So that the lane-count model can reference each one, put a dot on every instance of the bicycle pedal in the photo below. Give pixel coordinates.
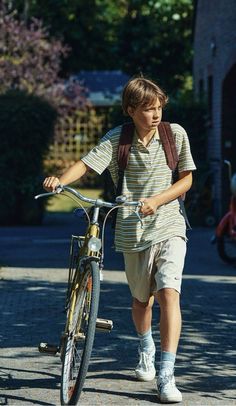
(79, 336)
(49, 349)
(104, 325)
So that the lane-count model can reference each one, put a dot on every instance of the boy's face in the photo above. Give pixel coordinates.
(146, 118)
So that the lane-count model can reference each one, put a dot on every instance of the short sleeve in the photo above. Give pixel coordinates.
(100, 156)
(186, 162)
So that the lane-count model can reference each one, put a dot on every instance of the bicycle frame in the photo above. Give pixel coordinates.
(82, 298)
(225, 234)
(84, 251)
(75, 277)
(227, 224)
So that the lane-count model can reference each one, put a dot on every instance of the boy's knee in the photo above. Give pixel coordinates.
(143, 305)
(167, 297)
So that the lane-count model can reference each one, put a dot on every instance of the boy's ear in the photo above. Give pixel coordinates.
(130, 111)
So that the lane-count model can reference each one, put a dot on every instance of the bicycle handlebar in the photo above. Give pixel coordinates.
(120, 200)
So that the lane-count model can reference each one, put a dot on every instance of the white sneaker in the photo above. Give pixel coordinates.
(166, 389)
(145, 370)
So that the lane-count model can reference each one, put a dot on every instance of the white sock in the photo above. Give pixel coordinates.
(146, 342)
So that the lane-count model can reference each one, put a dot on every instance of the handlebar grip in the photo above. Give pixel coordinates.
(58, 190)
(44, 195)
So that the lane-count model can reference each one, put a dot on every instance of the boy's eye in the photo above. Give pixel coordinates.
(152, 108)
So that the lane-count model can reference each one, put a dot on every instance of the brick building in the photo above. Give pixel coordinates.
(215, 78)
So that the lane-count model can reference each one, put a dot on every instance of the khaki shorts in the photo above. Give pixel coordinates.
(159, 266)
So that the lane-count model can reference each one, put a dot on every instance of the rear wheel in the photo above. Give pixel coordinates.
(77, 348)
(226, 247)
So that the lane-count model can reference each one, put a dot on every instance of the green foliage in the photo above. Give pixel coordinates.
(155, 38)
(192, 115)
(89, 27)
(151, 36)
(26, 127)
(31, 61)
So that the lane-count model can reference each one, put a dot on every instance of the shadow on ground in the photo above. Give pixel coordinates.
(32, 311)
(202, 362)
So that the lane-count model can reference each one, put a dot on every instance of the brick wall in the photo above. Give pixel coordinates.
(214, 56)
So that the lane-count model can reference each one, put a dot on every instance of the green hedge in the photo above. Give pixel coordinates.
(26, 127)
(192, 115)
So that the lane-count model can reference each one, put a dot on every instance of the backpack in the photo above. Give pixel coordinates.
(169, 146)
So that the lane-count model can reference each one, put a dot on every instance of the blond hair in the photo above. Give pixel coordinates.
(141, 92)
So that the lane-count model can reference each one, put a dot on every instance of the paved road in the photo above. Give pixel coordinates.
(33, 278)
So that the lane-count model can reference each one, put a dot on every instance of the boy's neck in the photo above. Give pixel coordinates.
(145, 136)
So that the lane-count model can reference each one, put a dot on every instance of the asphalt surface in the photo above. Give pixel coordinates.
(33, 279)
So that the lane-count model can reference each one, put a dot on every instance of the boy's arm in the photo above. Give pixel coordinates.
(75, 172)
(180, 187)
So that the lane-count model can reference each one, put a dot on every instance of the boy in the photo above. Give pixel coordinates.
(154, 254)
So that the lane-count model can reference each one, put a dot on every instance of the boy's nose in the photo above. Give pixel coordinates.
(156, 113)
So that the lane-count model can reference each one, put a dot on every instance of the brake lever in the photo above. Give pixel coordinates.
(59, 189)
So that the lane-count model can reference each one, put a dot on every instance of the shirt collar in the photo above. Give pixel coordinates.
(156, 137)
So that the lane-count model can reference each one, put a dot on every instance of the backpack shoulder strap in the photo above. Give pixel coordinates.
(125, 142)
(172, 158)
(168, 142)
(166, 137)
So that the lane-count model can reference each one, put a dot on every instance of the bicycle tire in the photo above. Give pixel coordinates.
(78, 345)
(226, 248)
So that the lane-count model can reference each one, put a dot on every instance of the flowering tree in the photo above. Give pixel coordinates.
(30, 60)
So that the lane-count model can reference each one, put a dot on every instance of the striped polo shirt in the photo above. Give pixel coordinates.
(147, 174)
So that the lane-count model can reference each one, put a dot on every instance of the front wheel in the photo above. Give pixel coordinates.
(226, 247)
(77, 348)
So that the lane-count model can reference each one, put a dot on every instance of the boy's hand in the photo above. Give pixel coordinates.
(149, 207)
(51, 183)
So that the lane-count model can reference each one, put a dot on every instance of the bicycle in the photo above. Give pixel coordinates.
(225, 236)
(82, 297)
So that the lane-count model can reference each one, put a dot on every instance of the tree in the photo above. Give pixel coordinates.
(152, 36)
(30, 89)
(89, 27)
(26, 128)
(30, 60)
(155, 38)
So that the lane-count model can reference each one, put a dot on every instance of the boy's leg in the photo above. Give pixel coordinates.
(142, 315)
(170, 328)
(138, 268)
(170, 319)
(168, 279)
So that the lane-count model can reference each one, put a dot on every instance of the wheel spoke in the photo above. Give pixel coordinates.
(79, 341)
